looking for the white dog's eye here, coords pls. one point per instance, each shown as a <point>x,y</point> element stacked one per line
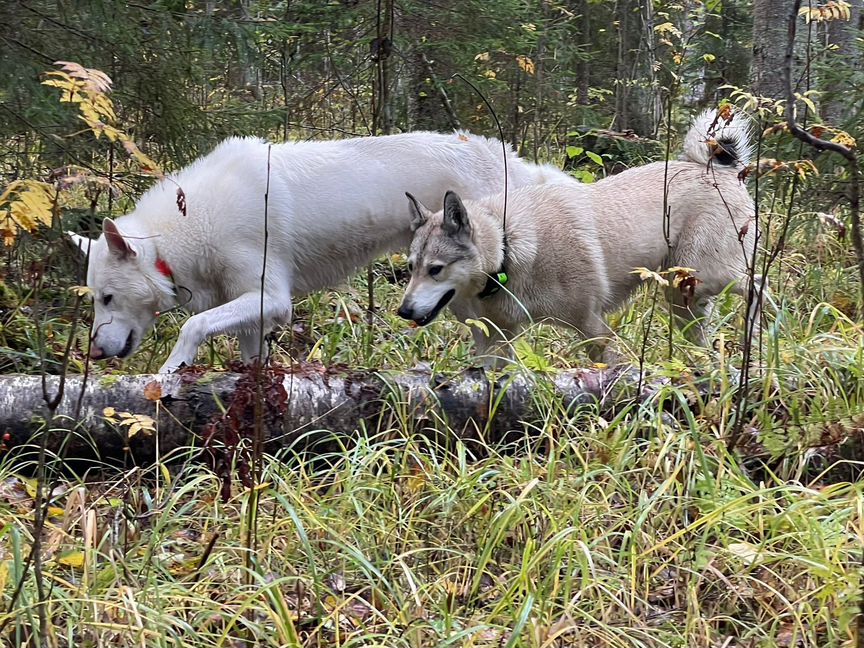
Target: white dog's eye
<point>106,299</point>
<point>410,268</point>
<point>435,270</point>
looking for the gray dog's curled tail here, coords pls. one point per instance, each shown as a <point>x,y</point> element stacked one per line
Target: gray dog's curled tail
<point>712,139</point>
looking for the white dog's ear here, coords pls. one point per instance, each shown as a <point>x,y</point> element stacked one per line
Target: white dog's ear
<point>116,243</point>
<point>455,217</point>
<point>419,213</point>
<point>81,242</point>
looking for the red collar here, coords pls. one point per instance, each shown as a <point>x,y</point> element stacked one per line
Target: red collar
<point>163,268</point>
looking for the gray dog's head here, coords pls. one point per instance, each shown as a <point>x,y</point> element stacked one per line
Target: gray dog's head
<point>443,261</point>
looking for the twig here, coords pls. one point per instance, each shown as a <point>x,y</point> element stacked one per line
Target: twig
<point>445,100</point>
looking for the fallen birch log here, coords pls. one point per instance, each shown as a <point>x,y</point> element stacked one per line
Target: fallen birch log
<point>306,403</point>
<point>309,406</point>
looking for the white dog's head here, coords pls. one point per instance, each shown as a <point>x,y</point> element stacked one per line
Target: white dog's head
<point>128,289</point>
<point>444,261</point>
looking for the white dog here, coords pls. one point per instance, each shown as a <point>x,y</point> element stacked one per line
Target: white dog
<point>569,250</point>
<point>330,208</point>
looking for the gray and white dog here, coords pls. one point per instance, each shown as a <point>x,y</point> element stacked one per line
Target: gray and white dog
<point>569,249</point>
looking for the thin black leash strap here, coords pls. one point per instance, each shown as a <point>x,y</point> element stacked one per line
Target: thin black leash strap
<point>496,281</point>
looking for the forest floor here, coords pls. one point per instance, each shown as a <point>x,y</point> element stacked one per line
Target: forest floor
<point>634,531</point>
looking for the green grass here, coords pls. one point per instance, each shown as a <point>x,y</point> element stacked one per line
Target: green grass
<point>602,538</point>
<point>633,530</point>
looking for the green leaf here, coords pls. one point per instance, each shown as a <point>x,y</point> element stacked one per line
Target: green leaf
<point>478,324</point>
<point>573,151</point>
<point>584,175</point>
<point>529,358</point>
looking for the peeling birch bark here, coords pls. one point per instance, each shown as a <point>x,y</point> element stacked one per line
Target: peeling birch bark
<point>322,403</point>
<point>323,409</point>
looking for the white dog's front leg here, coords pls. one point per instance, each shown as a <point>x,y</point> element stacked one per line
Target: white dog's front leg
<point>238,316</point>
<point>253,344</point>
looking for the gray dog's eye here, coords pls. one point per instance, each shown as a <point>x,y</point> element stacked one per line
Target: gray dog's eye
<point>410,267</point>
<point>435,270</point>
<point>106,299</point>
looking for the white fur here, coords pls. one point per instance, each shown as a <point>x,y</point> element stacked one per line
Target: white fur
<point>571,247</point>
<point>332,207</point>
<point>733,135</point>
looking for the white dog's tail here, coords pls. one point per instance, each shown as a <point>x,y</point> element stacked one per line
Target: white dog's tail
<point>713,139</point>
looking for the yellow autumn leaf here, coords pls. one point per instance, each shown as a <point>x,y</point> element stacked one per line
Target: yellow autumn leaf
<point>681,270</point>
<point>136,423</point>
<point>29,203</point>
<point>71,559</point>
<point>30,486</point>
<point>844,138</point>
<point>166,474</point>
<point>526,64</point>
<point>832,10</point>
<point>87,87</point>
<point>80,291</point>
<point>105,107</point>
<point>22,217</point>
<point>33,206</point>
<point>132,149</point>
<point>645,274</point>
<point>139,426</point>
<point>667,28</point>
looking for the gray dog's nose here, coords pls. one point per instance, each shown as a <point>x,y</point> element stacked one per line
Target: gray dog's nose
<point>405,312</point>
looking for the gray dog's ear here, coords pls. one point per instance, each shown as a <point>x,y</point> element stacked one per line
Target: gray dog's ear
<point>455,217</point>
<point>116,243</point>
<point>81,242</point>
<point>419,213</point>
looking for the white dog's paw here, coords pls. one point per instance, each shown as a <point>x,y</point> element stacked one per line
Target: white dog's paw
<point>175,361</point>
<point>170,367</point>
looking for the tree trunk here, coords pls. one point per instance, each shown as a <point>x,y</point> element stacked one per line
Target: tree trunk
<point>583,82</point>
<point>382,48</point>
<point>317,409</point>
<point>769,47</point>
<point>840,93</point>
<point>622,67</point>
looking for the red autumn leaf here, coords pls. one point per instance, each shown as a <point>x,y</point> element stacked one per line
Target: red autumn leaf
<point>181,201</point>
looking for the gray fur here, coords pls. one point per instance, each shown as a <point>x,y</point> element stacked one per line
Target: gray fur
<point>572,248</point>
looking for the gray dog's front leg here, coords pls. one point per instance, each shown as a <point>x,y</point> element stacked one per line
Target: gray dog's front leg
<point>492,350</point>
